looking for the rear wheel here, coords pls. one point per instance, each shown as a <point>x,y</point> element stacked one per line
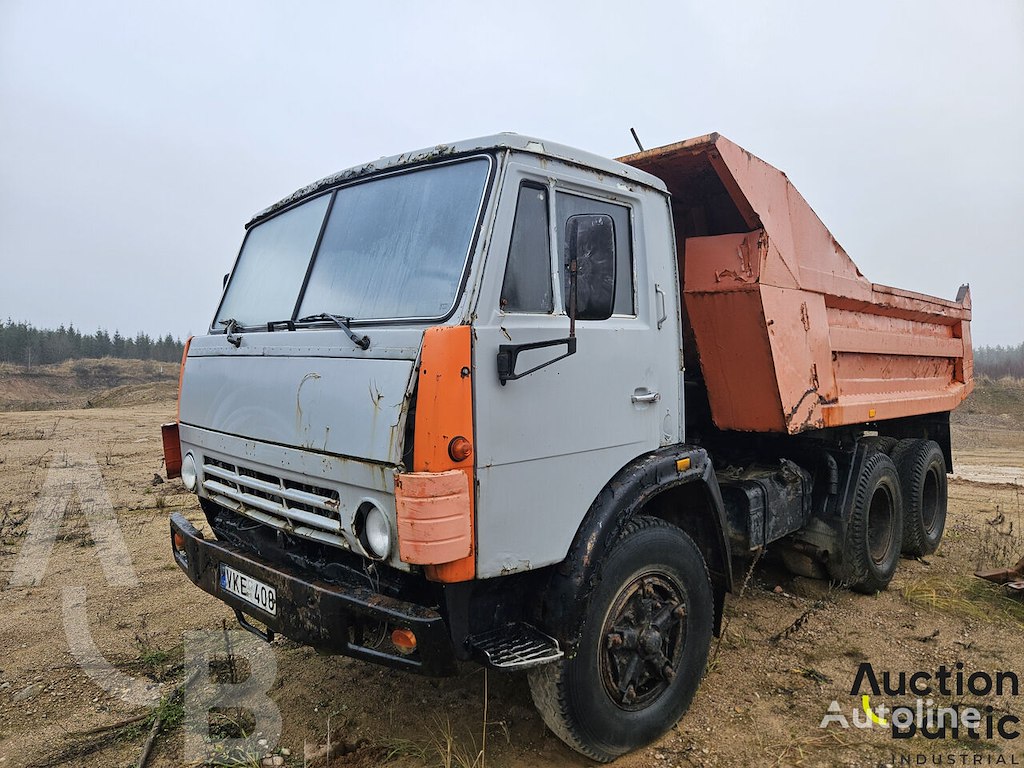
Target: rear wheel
<point>874,535</point>
<point>882,443</point>
<point>642,650</point>
<point>922,471</point>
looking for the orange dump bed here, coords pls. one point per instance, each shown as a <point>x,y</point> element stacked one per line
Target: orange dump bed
<point>789,334</point>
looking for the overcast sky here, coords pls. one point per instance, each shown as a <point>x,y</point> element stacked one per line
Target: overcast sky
<point>136,139</point>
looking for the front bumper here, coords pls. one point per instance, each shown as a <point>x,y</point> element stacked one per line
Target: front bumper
<point>329,617</point>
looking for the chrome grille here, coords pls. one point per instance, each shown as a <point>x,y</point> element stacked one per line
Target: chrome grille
<point>300,508</point>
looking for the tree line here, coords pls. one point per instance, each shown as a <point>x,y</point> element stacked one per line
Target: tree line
<point>996,362</point>
<point>23,344</point>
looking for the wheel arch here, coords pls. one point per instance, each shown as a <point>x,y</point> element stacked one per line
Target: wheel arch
<point>696,508</point>
<point>676,484</point>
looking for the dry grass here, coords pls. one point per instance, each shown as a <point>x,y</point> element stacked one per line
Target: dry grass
<point>451,751</point>
<point>796,750</point>
<point>454,753</point>
<point>447,746</point>
<point>966,596</point>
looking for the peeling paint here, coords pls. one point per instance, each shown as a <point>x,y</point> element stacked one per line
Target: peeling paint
<point>375,395</point>
<point>298,394</point>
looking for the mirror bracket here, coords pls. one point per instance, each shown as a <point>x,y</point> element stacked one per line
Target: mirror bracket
<point>509,353</point>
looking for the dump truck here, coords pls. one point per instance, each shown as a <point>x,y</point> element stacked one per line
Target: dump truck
<point>510,403</point>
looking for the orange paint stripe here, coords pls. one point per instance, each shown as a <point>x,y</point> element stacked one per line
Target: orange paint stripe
<point>181,376</point>
<point>444,409</point>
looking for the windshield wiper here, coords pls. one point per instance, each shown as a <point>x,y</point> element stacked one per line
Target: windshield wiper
<point>230,328</point>
<point>363,342</point>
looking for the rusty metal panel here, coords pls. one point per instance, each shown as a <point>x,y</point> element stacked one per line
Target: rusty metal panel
<point>789,333</point>
<point>798,334</point>
<point>735,355</point>
<point>1011,578</point>
<point>891,343</point>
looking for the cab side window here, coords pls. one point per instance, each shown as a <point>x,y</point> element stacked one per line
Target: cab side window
<point>568,205</point>
<point>527,284</point>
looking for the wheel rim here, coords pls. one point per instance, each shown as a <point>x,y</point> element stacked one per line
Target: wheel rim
<point>930,500</point>
<point>643,640</point>
<point>880,525</point>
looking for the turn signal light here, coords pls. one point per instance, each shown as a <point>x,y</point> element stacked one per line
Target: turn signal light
<point>179,541</point>
<point>404,640</point>
<point>460,449</point>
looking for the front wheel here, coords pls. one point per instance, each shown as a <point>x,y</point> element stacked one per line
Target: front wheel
<point>642,650</point>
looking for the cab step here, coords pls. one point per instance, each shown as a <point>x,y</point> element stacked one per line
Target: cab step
<point>515,646</point>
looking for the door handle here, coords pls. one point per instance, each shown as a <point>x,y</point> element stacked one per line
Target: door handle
<point>643,395</point>
<point>662,313</point>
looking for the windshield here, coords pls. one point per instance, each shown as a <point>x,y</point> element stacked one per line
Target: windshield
<point>394,247</point>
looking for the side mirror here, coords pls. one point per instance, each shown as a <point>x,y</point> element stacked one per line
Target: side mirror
<point>224,282</point>
<point>590,263</point>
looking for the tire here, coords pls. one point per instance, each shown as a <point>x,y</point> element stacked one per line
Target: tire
<point>882,443</point>
<point>614,694</point>
<point>874,535</point>
<point>922,470</point>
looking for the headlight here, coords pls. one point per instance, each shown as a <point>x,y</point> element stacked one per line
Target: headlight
<point>376,533</point>
<point>189,473</point>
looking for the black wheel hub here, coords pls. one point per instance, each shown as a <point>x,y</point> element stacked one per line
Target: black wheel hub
<point>644,637</point>
<point>881,530</point>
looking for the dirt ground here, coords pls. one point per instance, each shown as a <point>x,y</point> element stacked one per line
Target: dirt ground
<point>93,635</point>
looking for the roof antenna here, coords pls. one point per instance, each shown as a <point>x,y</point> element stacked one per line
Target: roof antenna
<point>636,139</point>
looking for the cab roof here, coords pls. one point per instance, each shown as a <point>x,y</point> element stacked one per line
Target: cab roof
<point>500,141</point>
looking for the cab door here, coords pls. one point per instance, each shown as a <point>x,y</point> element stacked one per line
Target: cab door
<point>548,442</point>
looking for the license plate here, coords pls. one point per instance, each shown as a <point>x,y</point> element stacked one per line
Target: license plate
<point>253,591</point>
